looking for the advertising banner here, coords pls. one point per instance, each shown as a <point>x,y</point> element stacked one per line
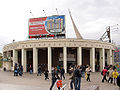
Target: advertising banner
<point>47,25</point>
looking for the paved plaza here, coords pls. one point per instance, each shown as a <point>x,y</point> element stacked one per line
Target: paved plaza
<point>34,82</point>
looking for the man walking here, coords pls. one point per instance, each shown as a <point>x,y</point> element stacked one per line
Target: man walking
<point>77,78</point>
<point>62,71</point>
<point>54,77</point>
<point>104,72</point>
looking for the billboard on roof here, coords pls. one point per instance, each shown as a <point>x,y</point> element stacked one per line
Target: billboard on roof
<point>51,25</point>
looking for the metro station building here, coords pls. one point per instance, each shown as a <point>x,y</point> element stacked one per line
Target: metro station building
<point>62,51</point>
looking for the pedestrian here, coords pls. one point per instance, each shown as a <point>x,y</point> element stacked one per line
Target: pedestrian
<point>72,82</point>
<point>88,70</point>
<point>39,70</point>
<point>83,71</point>
<point>118,81</point>
<point>54,77</point>
<point>20,70</point>
<point>46,74</point>
<point>62,72</point>
<point>59,83</point>
<point>58,68</point>
<point>115,75</point>
<point>104,73</point>
<point>30,69</point>
<point>15,70</point>
<point>70,70</point>
<point>110,72</point>
<point>77,78</point>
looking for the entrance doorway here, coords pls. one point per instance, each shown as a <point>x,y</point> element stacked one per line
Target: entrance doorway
<point>57,57</point>
<point>43,58</point>
<point>71,57</point>
<point>29,59</point>
<point>85,56</point>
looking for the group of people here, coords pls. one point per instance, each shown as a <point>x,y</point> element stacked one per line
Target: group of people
<point>77,73</point>
<point>56,77</point>
<point>18,70</point>
<point>111,73</point>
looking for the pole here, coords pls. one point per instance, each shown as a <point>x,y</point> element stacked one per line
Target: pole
<point>44,12</point>
<point>31,13</point>
<point>57,11</point>
<point>109,34</point>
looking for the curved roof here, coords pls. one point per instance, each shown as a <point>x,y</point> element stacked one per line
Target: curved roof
<point>58,43</point>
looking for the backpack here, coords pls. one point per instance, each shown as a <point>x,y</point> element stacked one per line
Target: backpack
<point>78,73</point>
<point>102,73</point>
<point>107,73</point>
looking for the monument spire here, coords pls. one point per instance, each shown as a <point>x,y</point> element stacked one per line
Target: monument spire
<point>75,28</point>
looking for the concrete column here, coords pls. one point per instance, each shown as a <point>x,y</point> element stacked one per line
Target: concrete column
<point>65,58</point>
<point>15,57</point>
<point>102,59</point>
<point>49,59</point>
<point>92,59</point>
<point>112,57</point>
<point>24,60</point>
<point>7,54</point>
<point>109,57</point>
<point>35,60</point>
<point>79,56</point>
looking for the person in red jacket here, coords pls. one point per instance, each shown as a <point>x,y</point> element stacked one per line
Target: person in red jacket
<point>59,84</point>
<point>104,72</point>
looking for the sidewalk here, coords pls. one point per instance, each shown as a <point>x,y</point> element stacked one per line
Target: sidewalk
<point>34,82</point>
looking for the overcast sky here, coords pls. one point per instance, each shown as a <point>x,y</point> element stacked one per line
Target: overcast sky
<point>90,16</point>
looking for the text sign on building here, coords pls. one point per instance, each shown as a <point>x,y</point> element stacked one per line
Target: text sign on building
<point>52,25</point>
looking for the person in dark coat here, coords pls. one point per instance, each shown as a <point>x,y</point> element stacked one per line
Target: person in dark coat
<point>20,70</point>
<point>62,72</point>
<point>78,76</point>
<point>54,77</point>
<point>39,71</point>
<point>15,70</point>
<point>46,74</point>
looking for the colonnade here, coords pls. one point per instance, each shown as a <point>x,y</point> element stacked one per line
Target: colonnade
<point>79,58</point>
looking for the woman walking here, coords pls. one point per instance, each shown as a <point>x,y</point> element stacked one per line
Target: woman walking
<point>88,70</point>
<point>110,72</point>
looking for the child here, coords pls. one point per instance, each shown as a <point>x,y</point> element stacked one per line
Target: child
<point>115,75</point>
